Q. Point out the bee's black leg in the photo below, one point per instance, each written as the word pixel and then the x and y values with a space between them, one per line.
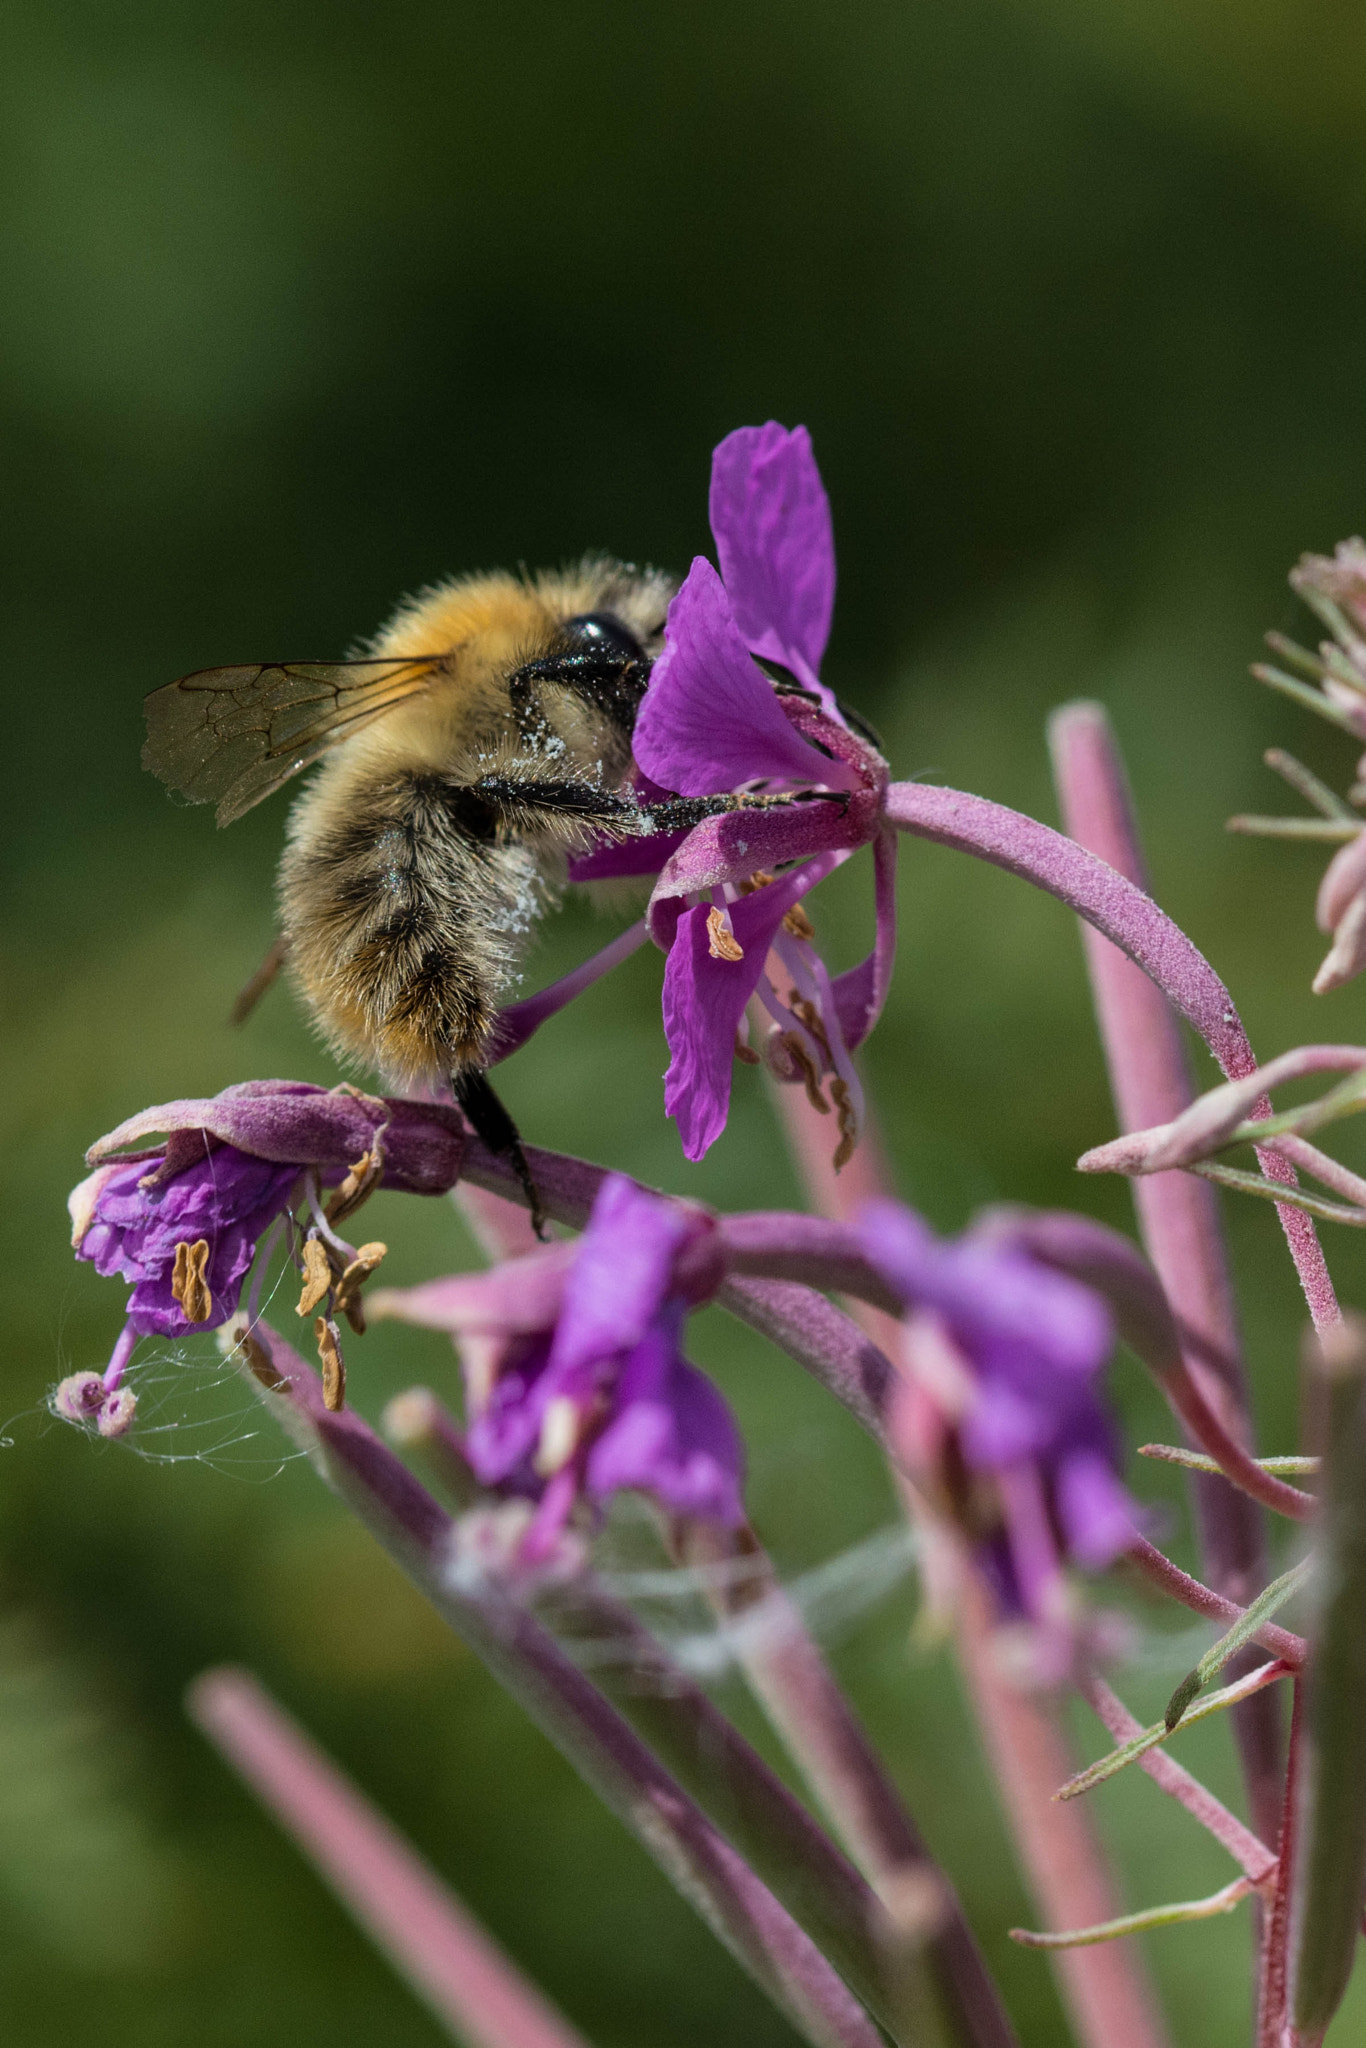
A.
pixel 491 1122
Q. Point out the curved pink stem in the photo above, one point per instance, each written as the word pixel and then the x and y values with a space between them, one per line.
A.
pixel 1124 914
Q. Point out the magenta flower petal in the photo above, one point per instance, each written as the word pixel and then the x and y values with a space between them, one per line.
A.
pixel 861 992
pixel 671 1435
pixel 775 541
pixel 622 1272
pixel 704 1000
pixel 709 720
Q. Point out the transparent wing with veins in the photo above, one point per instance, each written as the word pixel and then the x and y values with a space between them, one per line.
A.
pixel 232 736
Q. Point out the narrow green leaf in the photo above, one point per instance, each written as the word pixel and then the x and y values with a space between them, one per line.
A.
pixel 1244 1629
pixel 1200 1461
pixel 1330 1873
pixel 1346 1098
pixel 1332 829
pixel 1129 1752
pixel 1325 800
pixel 1311 699
pixel 1279 1191
pixel 1138 1923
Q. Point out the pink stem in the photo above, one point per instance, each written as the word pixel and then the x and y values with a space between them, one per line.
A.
pixel 1122 913
pixel 1274 1985
pixel 1104 1987
pixel 1178 1215
pixel 1170 1579
pixel 1252 1855
pixel 436 1946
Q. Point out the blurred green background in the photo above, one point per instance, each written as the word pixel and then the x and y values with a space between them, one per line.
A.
pixel 304 307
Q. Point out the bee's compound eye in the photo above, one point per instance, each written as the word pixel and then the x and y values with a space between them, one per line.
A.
pixel 604 633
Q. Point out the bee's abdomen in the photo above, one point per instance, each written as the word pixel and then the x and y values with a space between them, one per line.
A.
pixel 404 919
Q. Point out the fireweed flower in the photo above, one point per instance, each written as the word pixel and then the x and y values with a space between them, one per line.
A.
pixel 576 1386
pixel 735 705
pixel 182 1221
pixel 1000 1417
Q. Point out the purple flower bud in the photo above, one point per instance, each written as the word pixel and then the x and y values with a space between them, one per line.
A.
pixel 1004 1353
pixel 576 1384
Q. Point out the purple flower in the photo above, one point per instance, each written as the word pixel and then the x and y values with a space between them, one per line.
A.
pixel 713 723
pixel 576 1384
pixel 182 1221
pixel 1004 1354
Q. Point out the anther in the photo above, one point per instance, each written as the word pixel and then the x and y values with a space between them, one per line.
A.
pixel 348 1298
pixel 361 1181
pixel 333 1364
pixel 189 1281
pixel 722 943
pixel 797 924
pixel 317 1276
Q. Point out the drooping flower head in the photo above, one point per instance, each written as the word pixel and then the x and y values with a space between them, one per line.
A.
pixel 575 1380
pixel 735 703
pixel 182 1221
pixel 1001 1413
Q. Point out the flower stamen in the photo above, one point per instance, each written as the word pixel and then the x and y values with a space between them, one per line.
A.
pixel 317 1276
pixel 333 1364
pixel 189 1280
pixel 722 943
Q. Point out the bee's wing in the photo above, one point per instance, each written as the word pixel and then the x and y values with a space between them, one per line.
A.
pixel 234 735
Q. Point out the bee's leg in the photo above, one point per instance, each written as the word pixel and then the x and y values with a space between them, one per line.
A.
pixel 475 1095
pixel 681 813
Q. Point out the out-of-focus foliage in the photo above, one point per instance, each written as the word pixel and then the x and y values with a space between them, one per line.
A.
pixel 305 307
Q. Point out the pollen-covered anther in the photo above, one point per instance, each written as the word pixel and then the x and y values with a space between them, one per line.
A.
pixel 722 943
pixel 848 1122
pixel 189 1280
pixel 561 1429
pixel 746 1053
pixel 354 1276
pixel 797 924
pixel 760 879
pixel 809 1073
pixel 361 1181
pixel 317 1276
pixel 333 1364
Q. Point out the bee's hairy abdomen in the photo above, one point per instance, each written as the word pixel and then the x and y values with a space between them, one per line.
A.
pixel 404 917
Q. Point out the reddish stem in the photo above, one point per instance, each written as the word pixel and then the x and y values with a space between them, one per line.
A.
pixel 433 1942
pixel 1201 1599
pixel 1273 1986
pixel 1178 1215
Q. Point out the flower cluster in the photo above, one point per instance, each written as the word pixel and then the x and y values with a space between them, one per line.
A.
pixel 182 1221
pixel 575 1382
pixel 1000 1417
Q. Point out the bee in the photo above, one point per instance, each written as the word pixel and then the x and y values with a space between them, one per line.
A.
pixel 483 740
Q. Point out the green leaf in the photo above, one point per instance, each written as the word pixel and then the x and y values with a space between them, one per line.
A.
pixel 1138 1923
pixel 1199 1461
pixel 1129 1752
pixel 1242 1632
pixel 1331 1864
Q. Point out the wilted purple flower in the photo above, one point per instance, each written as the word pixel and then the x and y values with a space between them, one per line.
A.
pixel 182 1221
pixel 1004 1354
pixel 576 1384
pixel 713 722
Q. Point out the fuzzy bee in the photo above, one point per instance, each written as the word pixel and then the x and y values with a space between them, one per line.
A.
pixel 484 740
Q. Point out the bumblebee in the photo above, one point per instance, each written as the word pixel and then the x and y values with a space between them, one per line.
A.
pixel 483 739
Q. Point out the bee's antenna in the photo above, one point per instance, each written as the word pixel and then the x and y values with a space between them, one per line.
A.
pixel 490 1120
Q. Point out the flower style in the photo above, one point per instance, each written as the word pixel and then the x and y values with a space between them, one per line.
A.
pixel 1003 1357
pixel 182 1221
pixel 712 722
pixel 576 1385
